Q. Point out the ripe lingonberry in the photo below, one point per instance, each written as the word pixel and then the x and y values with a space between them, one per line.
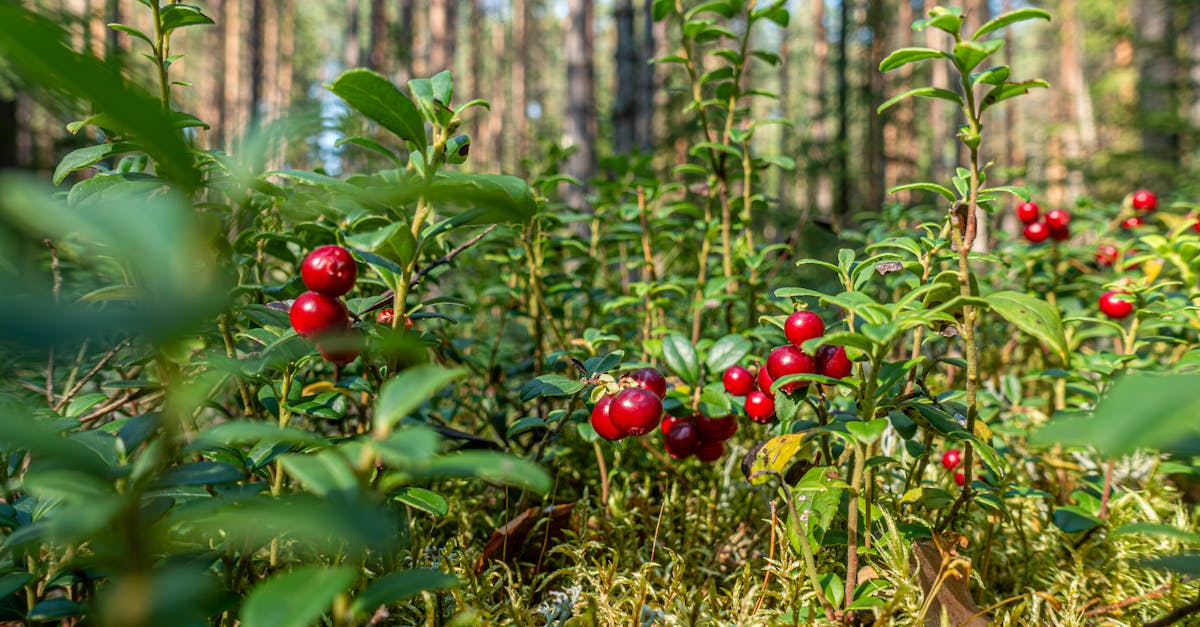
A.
pixel 960 478
pixel 738 381
pixel 602 419
pixel 833 362
pixel 803 326
pixel 765 381
pixel 636 411
pixel 387 315
pixel 1028 212
pixel 721 428
pixel 709 452
pixel 1132 223
pixel 314 313
pixel 760 407
pixel 1058 219
pixel 1060 235
pixel 669 422
pixel 1144 200
pixel 951 459
pixel 1037 232
pixel 1106 254
pixel 786 360
pixel 329 270
pixel 1116 304
pixel 682 441
pixel 650 379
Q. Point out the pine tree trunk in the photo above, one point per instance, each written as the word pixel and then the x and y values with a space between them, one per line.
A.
pixel 644 124
pixel 841 145
pixel 1154 55
pixel 873 148
pixel 8 134
pixel 521 62
pixel 442 20
pixel 231 111
pixel 378 59
pixel 257 31
pixel 579 122
pixel 352 55
pixel 819 188
pixel 940 137
pixel 899 131
pixel 624 112
pixel 404 35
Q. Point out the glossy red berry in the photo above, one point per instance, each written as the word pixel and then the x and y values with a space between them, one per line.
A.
pixel 803 326
pixel 636 411
pixel 786 360
pixel 1132 223
pixel 1028 212
pixel 721 428
pixel 1037 232
pixel 951 459
pixel 1106 254
pixel 682 441
pixel 650 379
pixel 1196 225
pixel 1058 219
pixel 1145 201
pixel 960 478
pixel 669 422
pixel 765 381
pixel 833 362
pixel 329 270
pixel 1116 304
pixel 385 316
pixel 760 407
pixel 738 381
pixel 341 348
pixel 1060 235
pixel 709 452
pixel 602 419
pixel 314 313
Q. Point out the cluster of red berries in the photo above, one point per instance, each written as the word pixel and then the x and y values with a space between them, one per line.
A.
pixel 328 272
pixel 789 359
pixel 635 410
pixel 1144 201
pixel 950 461
pixel 1117 304
pixel 1054 225
pixel 699 435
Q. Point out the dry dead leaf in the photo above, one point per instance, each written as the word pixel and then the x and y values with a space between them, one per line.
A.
pixel 945 574
pixel 517 539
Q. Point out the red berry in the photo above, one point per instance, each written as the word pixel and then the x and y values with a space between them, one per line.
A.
pixel 1058 219
pixel 1116 304
pixel 341 348
pixel 669 422
pixel 1028 212
pixel 711 429
pixel 709 452
pixel 1037 232
pixel 765 381
pixel 650 379
pixel 602 419
pixel 1106 254
pixel 1144 200
pixel 1196 225
pixel 1060 235
pixel 738 381
pixel 385 316
pixel 833 362
pixel 314 313
pixel 329 270
pixel 1132 223
pixel 951 459
pixel 960 478
pixel 760 407
pixel 636 411
pixel 682 441
pixel 786 360
pixel 803 326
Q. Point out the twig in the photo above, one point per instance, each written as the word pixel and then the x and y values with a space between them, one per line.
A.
pixel 125 399
pixel 56 289
pixel 389 295
pixel 1153 594
pixel 1175 615
pixel 91 373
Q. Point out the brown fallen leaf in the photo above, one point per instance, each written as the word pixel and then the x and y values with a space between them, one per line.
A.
pixel 945 575
pixel 523 539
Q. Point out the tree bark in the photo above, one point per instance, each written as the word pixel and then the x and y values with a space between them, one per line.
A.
pixel 1154 55
pixel 579 130
pixel 404 34
pixel 940 136
pixel 819 188
pixel 378 59
pixel 647 87
pixel 841 144
pixel 442 21
pixel 231 118
pixel 257 33
pixel 352 55
pixel 873 148
pixel 8 134
pixel 624 112
pixel 522 20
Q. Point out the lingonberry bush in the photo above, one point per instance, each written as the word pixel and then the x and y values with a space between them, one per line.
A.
pixel 262 395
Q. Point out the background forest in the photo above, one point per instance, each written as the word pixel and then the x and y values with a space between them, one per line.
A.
pixel 570 84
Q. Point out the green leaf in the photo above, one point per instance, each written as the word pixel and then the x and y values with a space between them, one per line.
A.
pixel 1033 316
pixel 550 385
pixel 921 92
pixel 11 582
pixel 326 473
pixel 245 432
pixel 199 473
pixel 132 32
pixel 969 54
pixel 1005 91
pixel 1019 15
pixel 1145 528
pixel 180 15
pixel 87 157
pixel 1186 563
pixel 296 598
pixel 928 187
pixel 490 466
pixel 680 357
pixel 1016 190
pixel 727 352
pixel 424 500
pixel 904 56
pixel 377 98
pixel 991 76
pixel 399 586
pixel 1074 519
pixel 53 609
pixel 402 395
pixel 867 431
